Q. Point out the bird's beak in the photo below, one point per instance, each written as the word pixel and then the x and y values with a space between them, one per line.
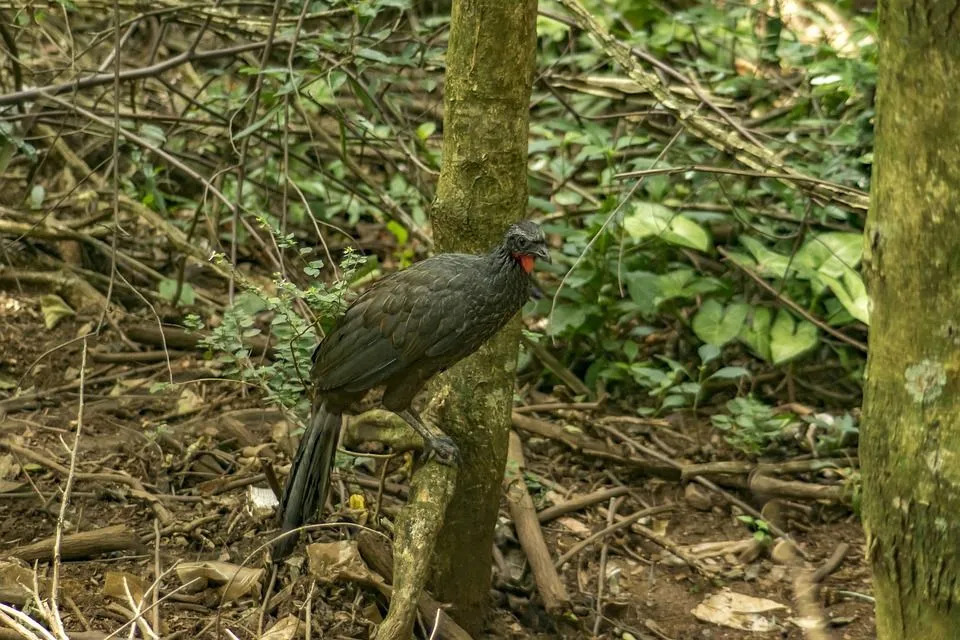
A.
pixel 543 253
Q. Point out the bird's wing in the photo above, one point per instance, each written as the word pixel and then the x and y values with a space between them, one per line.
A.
pixel 416 313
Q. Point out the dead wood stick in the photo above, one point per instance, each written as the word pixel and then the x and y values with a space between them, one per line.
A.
pixel 524 514
pixel 137 489
pixel 631 521
pixel 174 338
pixel 81 546
pixel 417 527
pixel 593 447
pixel 581 502
pixel 717 470
pixel 10 634
pixel 135 356
pixel 765 485
pixel 378 554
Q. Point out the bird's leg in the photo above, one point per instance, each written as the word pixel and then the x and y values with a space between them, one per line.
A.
pixel 436 444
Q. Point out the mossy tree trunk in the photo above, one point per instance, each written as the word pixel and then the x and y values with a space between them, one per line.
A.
pixel 910 447
pixel 482 189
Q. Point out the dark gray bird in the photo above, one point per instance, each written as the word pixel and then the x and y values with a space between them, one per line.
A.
pixel 397 335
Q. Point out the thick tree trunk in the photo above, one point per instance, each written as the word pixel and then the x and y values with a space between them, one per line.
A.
pixel 910 447
pixel 482 189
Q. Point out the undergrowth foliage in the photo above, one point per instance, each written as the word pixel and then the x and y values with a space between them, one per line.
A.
pixel 664 244
pixel 284 376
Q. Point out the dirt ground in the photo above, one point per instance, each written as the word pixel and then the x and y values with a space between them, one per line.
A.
pixel 190 454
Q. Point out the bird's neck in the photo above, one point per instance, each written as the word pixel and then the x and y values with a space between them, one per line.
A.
pixel 510 265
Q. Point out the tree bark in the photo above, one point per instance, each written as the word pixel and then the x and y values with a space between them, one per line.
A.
pixel 482 189
pixel 910 444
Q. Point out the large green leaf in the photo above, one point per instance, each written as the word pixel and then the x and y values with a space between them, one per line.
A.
pixel 769 263
pixel 718 325
pixel 651 219
pixel 831 253
pixel 851 293
pixel 755 332
pixel 790 339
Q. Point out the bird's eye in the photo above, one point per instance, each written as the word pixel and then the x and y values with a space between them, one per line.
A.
pixel 524 243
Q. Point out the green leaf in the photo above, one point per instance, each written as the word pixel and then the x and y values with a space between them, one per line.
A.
pixel 54 310
pixel 851 293
pixel 769 263
pixel 399 232
pixel 730 372
pixel 651 219
pixel 426 129
pixel 790 339
pixel 755 332
pixel 708 353
pixel 168 289
pixel 830 254
pixel 718 325
pixel 37 194
pixel 566 316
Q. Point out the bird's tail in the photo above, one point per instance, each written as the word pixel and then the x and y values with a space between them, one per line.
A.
pixel 309 479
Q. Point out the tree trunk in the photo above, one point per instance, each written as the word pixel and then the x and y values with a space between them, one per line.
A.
pixel 482 189
pixel 910 445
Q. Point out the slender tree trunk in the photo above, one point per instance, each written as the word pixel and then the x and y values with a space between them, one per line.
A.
pixel 910 447
pixel 482 189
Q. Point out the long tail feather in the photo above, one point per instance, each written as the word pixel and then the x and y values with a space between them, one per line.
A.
pixel 309 479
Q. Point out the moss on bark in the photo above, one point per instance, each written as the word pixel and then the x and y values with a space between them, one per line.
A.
pixel 910 446
pixel 482 189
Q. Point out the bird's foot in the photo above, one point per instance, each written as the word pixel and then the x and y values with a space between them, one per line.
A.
pixel 443 450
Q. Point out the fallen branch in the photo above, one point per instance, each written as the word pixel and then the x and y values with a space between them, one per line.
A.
pixel 81 546
pixel 586 445
pixel 524 514
pixel 765 485
pixel 581 502
pixel 137 489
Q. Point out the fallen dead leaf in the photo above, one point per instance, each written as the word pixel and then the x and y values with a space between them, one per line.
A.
pixel 238 581
pixel 727 608
pixel 575 526
pixel 285 629
pixel 113 586
pixel 333 561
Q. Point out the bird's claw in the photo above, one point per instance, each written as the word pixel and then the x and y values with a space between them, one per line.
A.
pixel 443 450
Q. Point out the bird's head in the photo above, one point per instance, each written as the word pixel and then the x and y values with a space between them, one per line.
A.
pixel 525 242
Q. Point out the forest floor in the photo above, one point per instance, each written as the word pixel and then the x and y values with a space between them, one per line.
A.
pixel 188 457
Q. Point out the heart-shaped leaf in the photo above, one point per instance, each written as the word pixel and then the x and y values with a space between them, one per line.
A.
pixel 651 219
pixel 718 325
pixel 790 339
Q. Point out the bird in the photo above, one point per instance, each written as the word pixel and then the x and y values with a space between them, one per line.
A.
pixel 399 333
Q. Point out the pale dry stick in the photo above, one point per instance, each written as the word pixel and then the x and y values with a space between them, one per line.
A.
pixel 156 573
pixel 524 516
pixel 625 522
pixel 56 622
pixel 16 620
pixel 601 574
pixel 308 606
pixel 436 626
pixel 130 622
pixel 137 609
